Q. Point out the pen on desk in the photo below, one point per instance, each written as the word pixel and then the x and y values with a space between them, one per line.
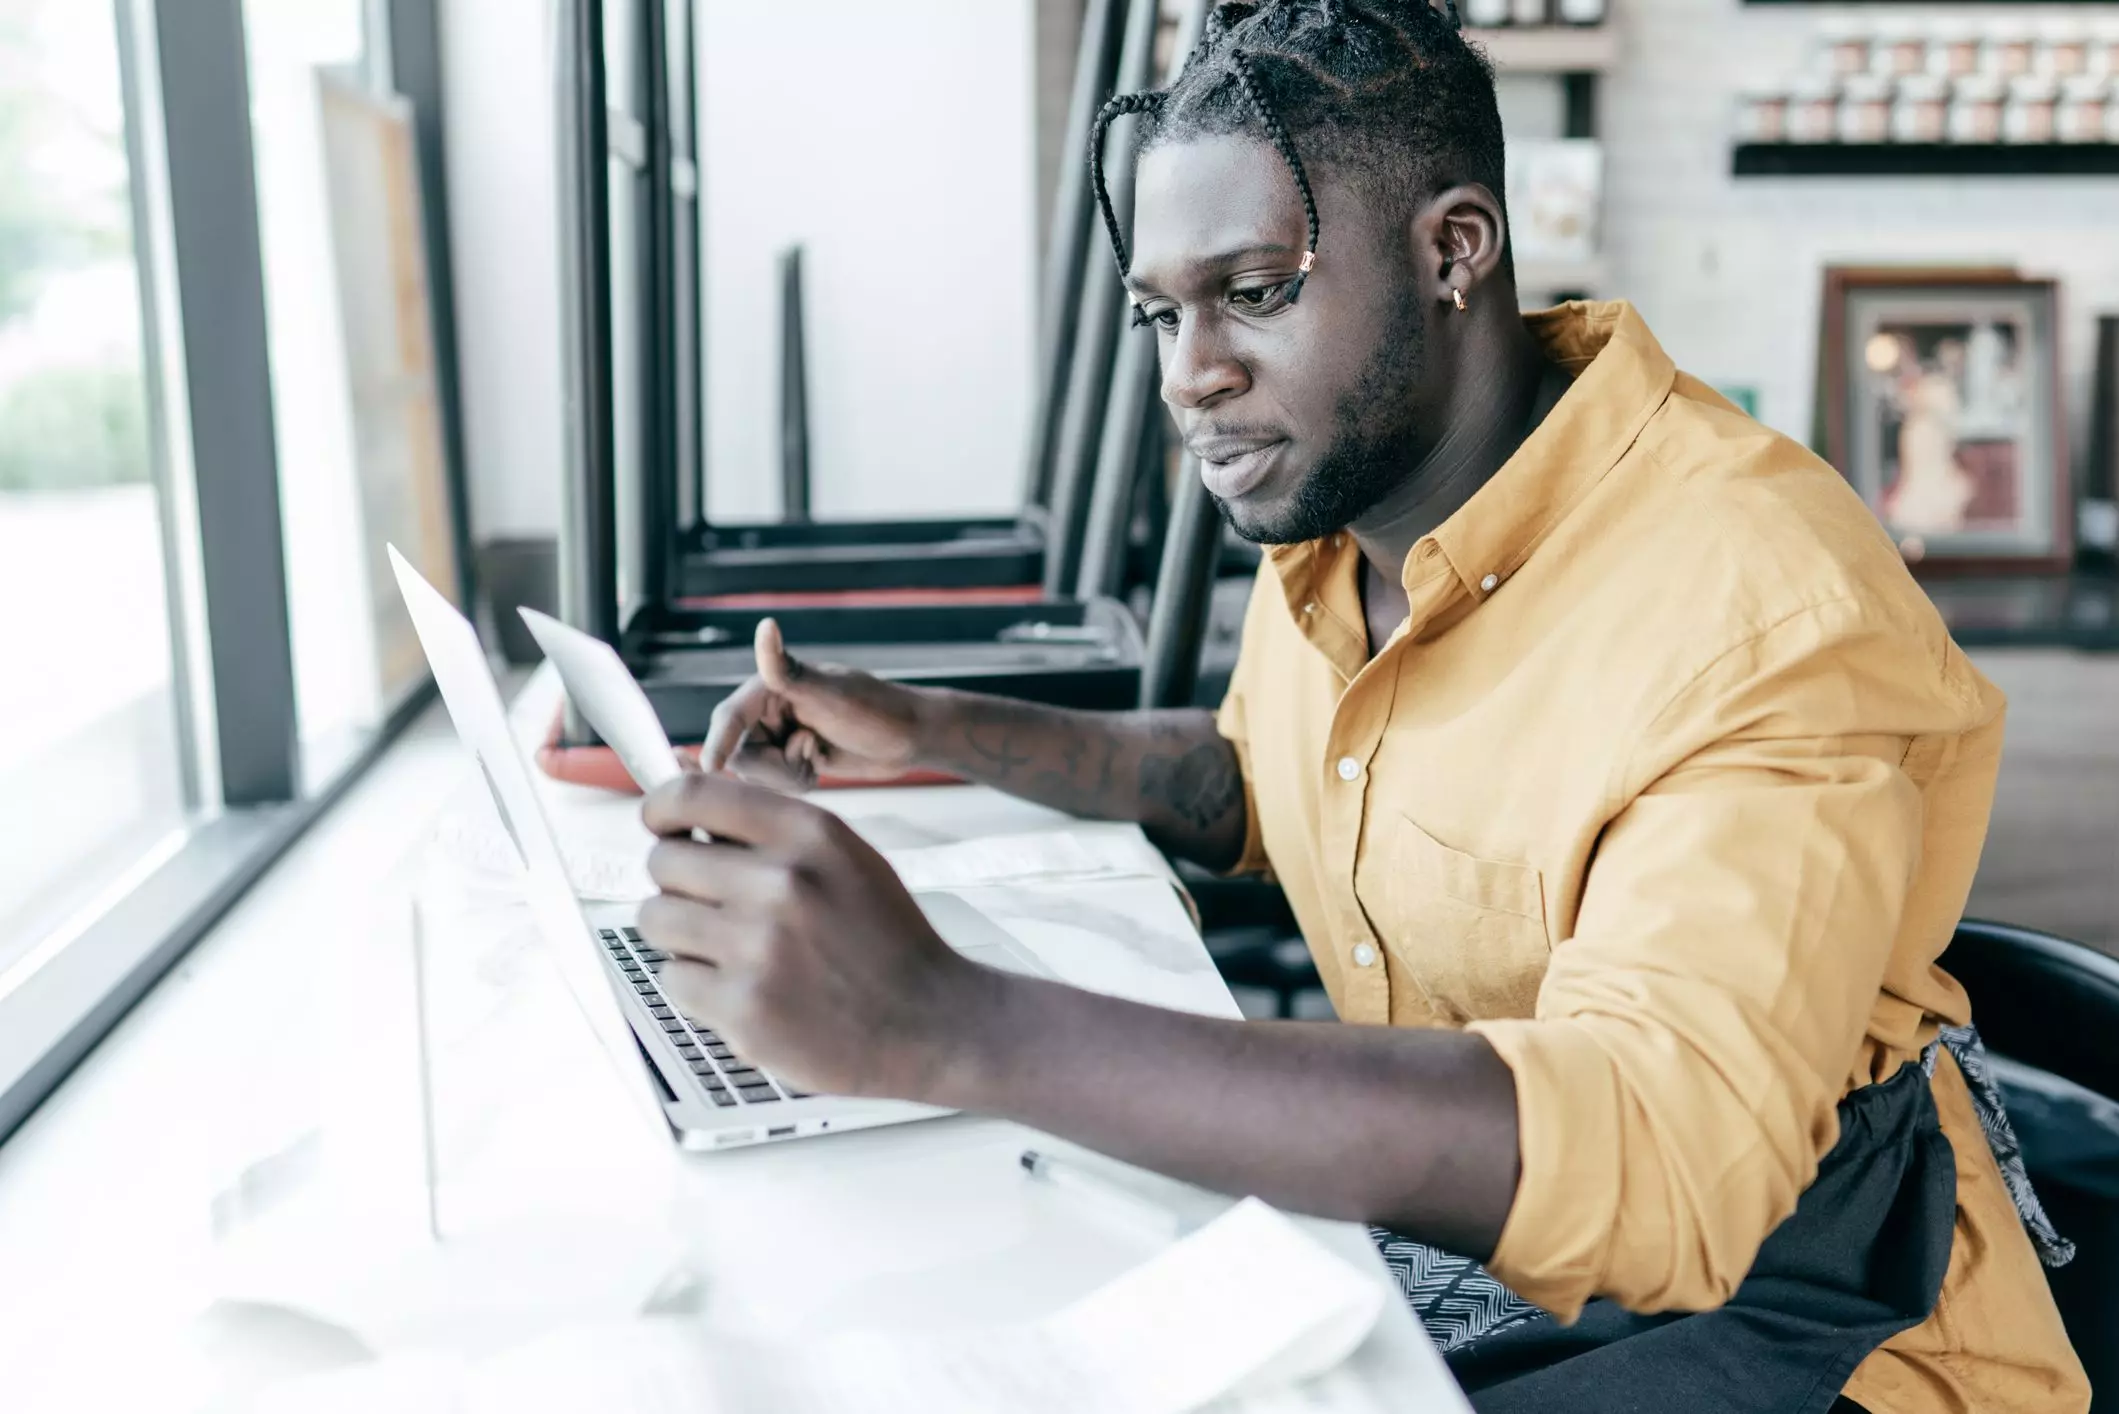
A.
pixel 1104 1196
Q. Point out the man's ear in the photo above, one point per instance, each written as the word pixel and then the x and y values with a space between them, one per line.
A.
pixel 1458 238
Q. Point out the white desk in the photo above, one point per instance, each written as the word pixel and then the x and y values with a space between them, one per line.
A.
pixel 261 1106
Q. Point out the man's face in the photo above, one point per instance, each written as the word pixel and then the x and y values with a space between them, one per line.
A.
pixel 1303 416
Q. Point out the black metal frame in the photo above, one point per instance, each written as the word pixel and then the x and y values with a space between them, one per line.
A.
pixel 588 543
pixel 962 554
pixel 1074 220
pixel 185 76
pixel 662 390
pixel 681 47
pixel 1100 312
pixel 794 392
pixel 1937 159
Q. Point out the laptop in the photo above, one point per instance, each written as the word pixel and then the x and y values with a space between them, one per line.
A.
pixel 684 1075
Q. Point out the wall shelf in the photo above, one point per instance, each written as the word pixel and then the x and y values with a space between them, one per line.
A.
pixel 1843 159
pixel 1791 4
pixel 1549 49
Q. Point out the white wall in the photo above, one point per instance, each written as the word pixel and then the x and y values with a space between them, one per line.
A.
pixel 500 142
pixel 895 142
pixel 1727 272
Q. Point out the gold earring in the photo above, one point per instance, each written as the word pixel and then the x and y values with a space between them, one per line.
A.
pixel 1457 298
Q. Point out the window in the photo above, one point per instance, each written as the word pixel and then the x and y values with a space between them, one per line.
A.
pixel 198 451
pixel 307 74
pixel 93 765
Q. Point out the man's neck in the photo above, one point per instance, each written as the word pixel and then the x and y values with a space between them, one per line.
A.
pixel 1507 388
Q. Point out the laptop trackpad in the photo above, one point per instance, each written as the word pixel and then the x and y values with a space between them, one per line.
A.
pixel 978 937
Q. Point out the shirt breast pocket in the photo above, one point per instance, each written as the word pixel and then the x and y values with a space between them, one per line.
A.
pixel 1469 932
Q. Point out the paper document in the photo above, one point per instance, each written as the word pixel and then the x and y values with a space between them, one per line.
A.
pixel 1245 1306
pixel 1080 853
pixel 610 864
pixel 603 690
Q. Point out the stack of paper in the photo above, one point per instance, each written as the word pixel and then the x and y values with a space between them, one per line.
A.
pixel 1234 1317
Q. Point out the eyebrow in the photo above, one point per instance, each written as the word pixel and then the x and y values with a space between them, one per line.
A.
pixel 1220 261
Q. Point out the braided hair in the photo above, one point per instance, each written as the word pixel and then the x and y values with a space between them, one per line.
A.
pixel 1389 92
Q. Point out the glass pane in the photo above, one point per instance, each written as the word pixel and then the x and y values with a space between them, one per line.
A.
pixel 355 401
pixel 677 41
pixel 91 771
pixel 621 32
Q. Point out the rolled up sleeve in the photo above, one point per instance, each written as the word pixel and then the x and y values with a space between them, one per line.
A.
pixel 1679 1081
pixel 1229 721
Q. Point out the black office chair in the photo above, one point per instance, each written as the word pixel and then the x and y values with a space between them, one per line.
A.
pixel 2053 1004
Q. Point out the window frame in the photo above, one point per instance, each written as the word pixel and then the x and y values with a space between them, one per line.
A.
pixel 185 73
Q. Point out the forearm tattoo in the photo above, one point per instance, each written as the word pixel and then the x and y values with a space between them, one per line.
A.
pixel 1170 771
pixel 1200 787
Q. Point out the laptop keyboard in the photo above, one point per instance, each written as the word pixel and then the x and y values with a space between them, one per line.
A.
pixel 727 1078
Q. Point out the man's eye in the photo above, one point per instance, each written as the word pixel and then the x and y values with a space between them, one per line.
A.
pixel 1164 318
pixel 1256 299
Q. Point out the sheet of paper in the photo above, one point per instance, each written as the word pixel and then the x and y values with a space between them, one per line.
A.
pixel 1076 854
pixel 605 692
pixel 1245 1306
pixel 609 862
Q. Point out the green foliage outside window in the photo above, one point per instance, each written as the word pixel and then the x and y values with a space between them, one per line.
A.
pixel 73 427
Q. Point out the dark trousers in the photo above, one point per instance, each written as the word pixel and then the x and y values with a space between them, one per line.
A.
pixel 1861 1259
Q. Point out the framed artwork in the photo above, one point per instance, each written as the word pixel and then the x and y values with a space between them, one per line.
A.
pixel 2097 517
pixel 377 221
pixel 1555 188
pixel 1939 392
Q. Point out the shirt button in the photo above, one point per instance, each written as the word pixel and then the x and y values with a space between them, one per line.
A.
pixel 1487 584
pixel 1364 955
pixel 1349 768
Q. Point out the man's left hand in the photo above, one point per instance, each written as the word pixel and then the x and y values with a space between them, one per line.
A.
pixel 795 941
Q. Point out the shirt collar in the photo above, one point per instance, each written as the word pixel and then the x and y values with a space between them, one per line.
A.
pixel 1621 376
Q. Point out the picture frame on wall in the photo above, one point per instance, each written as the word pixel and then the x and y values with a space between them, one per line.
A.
pixel 2098 527
pixel 1940 392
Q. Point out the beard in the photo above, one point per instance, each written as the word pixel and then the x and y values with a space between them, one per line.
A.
pixel 1375 442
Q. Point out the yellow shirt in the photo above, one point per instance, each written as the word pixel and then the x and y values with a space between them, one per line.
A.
pixel 1672 786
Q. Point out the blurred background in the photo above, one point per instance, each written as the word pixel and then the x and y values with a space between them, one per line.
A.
pixel 587 302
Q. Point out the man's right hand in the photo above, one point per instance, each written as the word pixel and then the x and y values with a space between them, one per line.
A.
pixel 1170 770
pixel 795 721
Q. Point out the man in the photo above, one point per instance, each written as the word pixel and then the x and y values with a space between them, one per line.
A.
pixel 1624 784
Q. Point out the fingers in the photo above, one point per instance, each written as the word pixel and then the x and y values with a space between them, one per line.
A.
pixel 780 767
pixel 736 810
pixel 732 722
pixel 717 873
pixel 695 987
pixel 774 664
pixel 682 927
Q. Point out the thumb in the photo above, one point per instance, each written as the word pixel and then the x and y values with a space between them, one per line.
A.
pixel 779 670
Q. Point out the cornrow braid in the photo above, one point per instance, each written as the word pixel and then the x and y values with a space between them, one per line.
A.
pixel 1390 92
pixel 1277 133
pixel 1117 107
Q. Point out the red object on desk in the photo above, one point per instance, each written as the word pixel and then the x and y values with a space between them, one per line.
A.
pixel 599 766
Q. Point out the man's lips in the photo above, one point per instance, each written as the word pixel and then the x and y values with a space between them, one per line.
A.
pixel 1233 467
